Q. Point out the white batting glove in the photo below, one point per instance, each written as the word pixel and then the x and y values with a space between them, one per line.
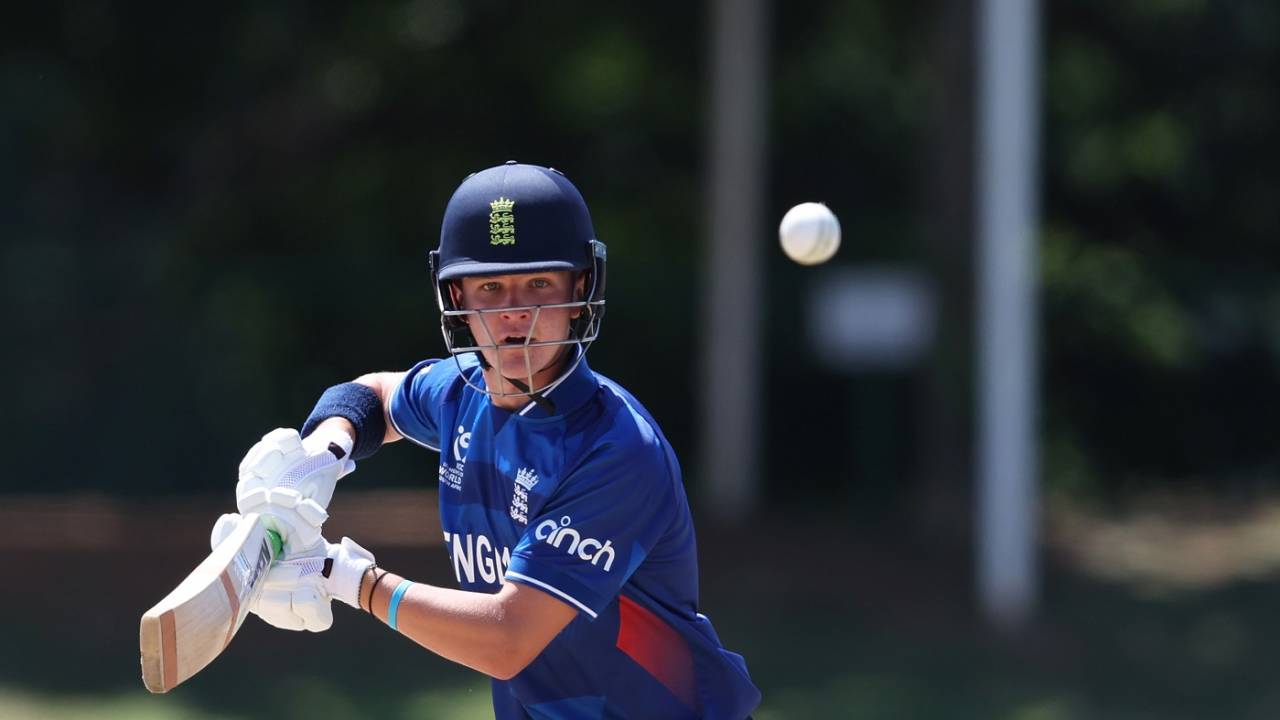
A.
pixel 274 603
pixel 297 589
pixel 290 481
pixel 293 596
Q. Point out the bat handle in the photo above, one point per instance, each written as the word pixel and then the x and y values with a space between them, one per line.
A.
pixel 277 545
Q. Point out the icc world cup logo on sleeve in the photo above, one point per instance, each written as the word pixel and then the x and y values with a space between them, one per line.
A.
pixel 452 476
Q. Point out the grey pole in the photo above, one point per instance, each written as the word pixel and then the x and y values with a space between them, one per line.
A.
pixel 1008 504
pixel 731 307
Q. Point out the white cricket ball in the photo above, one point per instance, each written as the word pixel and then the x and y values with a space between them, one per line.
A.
pixel 809 233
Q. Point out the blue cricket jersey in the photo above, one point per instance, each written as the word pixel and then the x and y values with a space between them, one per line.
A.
pixel 588 506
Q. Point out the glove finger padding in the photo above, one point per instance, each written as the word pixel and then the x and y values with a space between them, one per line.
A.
pixel 312 512
pixel 249 499
pixel 223 528
pixel 271 456
pixel 275 607
pixel 298 520
pixel 293 595
pixel 292 480
pixel 312 609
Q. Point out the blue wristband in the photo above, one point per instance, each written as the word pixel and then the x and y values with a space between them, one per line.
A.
pixel 394 606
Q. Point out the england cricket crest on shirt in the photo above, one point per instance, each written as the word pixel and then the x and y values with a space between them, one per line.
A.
pixel 502 222
pixel 526 478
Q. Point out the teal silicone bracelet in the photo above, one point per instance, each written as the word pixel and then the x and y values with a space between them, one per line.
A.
pixel 396 596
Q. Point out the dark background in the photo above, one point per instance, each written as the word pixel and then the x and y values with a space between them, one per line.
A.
pixel 211 213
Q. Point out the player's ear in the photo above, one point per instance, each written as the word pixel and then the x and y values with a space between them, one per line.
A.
pixel 455 292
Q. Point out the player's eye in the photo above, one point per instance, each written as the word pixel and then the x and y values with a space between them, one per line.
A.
pixel 490 286
pixel 540 283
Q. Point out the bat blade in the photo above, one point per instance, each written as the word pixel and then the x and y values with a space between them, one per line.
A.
pixel 193 624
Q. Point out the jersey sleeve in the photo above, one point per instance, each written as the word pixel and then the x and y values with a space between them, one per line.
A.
pixel 597 528
pixel 415 404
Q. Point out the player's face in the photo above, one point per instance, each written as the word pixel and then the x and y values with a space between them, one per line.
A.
pixel 511 315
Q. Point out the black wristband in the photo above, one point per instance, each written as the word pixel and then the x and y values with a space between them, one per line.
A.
pixel 361 406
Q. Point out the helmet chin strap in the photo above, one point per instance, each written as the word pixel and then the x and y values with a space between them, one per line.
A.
pixel 542 401
pixel 536 396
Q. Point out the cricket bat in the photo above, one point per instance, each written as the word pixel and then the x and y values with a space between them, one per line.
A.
pixel 192 625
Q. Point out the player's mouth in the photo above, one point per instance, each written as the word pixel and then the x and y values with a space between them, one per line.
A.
pixel 515 340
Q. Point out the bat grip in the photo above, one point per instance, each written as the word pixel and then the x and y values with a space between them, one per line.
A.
pixel 277 545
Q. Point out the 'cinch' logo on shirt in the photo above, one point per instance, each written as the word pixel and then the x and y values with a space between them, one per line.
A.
pixel 584 548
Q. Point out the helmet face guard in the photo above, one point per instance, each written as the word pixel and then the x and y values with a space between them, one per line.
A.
pixel 458 326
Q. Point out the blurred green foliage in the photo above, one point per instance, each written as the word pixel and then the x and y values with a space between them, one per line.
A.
pixel 1159 260
pixel 209 214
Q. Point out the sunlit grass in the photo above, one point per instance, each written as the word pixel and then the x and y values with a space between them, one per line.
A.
pixel 455 703
pixel 21 705
pixel 292 699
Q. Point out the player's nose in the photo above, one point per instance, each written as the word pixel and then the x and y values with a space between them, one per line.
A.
pixel 515 322
pixel 516 311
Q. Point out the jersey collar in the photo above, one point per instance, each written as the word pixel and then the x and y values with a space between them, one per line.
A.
pixel 567 395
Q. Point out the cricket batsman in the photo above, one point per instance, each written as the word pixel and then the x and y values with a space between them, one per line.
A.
pixel 562 505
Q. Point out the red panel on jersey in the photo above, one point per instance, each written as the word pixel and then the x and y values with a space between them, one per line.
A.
pixel 657 648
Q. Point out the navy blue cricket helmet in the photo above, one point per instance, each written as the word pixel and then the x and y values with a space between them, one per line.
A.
pixel 516 218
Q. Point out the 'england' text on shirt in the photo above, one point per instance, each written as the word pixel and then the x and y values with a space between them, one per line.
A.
pixel 476 554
